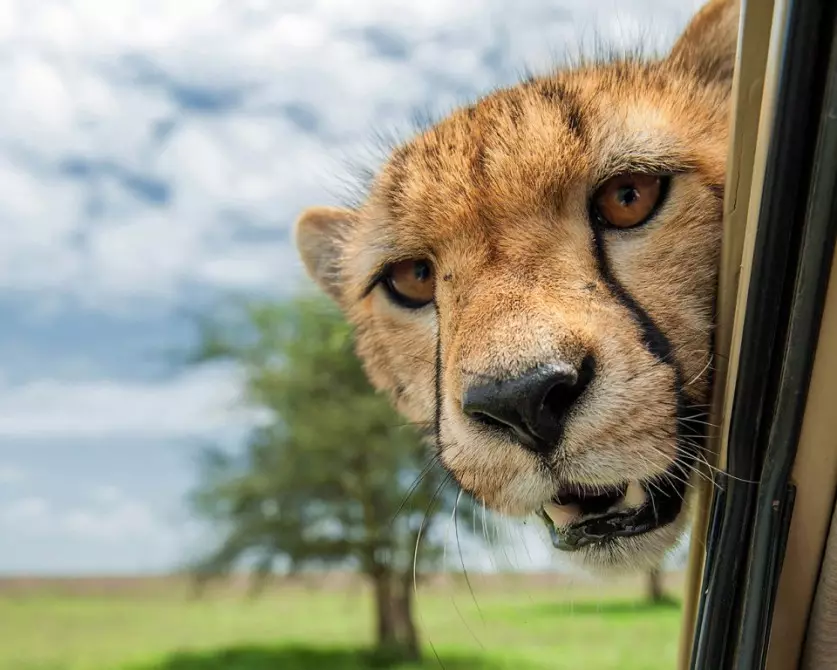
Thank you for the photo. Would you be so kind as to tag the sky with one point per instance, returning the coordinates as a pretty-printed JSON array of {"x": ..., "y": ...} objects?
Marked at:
[{"x": 153, "y": 157}]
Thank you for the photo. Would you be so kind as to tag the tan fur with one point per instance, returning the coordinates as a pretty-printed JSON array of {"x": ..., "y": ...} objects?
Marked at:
[{"x": 496, "y": 196}]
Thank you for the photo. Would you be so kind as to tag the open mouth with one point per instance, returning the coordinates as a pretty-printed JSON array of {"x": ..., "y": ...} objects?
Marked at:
[{"x": 579, "y": 516}]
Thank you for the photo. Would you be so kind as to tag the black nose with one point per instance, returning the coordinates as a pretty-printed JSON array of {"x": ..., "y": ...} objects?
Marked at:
[{"x": 534, "y": 405}]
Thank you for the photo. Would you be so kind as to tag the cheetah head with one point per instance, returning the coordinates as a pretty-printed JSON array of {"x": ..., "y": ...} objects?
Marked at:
[{"x": 533, "y": 278}]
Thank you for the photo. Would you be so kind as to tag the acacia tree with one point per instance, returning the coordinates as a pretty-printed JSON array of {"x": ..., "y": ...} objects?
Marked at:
[{"x": 331, "y": 475}]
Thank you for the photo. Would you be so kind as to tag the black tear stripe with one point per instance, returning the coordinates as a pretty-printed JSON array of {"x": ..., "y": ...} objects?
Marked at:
[
  {"x": 666, "y": 491},
  {"x": 437, "y": 419}
]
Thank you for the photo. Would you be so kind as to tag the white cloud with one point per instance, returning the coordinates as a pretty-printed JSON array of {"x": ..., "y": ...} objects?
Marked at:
[
  {"x": 107, "y": 530},
  {"x": 24, "y": 511},
  {"x": 196, "y": 403},
  {"x": 110, "y": 517},
  {"x": 9, "y": 474},
  {"x": 227, "y": 115}
]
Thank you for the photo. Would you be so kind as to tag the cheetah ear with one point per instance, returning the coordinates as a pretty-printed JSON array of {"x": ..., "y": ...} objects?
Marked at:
[
  {"x": 707, "y": 47},
  {"x": 320, "y": 235}
]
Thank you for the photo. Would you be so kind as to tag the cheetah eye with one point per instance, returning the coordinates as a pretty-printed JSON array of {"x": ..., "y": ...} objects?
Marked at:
[
  {"x": 629, "y": 199},
  {"x": 411, "y": 283}
]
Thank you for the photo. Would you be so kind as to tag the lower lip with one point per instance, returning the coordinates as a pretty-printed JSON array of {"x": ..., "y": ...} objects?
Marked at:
[
  {"x": 601, "y": 529},
  {"x": 660, "y": 508}
]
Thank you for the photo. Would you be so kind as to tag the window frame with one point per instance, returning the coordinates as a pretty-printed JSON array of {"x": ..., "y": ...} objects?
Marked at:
[{"x": 780, "y": 228}]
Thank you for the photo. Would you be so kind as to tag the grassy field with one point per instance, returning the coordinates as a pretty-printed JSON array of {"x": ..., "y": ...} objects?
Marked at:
[{"x": 516, "y": 623}]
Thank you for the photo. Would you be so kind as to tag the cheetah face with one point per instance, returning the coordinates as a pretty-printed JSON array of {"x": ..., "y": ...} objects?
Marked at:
[{"x": 533, "y": 279}]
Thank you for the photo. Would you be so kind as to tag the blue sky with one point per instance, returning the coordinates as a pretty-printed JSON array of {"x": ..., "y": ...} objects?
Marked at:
[{"x": 153, "y": 155}]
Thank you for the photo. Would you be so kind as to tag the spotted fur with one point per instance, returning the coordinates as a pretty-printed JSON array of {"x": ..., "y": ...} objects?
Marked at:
[{"x": 497, "y": 196}]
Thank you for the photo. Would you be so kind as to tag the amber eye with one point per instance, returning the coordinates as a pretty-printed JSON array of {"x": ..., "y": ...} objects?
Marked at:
[
  {"x": 411, "y": 283},
  {"x": 628, "y": 199}
]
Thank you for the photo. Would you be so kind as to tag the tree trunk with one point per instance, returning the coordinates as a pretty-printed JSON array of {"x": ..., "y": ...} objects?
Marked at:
[
  {"x": 397, "y": 638},
  {"x": 385, "y": 632},
  {"x": 403, "y": 615},
  {"x": 656, "y": 593}
]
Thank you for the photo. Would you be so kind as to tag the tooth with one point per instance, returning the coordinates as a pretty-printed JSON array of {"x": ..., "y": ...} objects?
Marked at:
[
  {"x": 635, "y": 495},
  {"x": 560, "y": 515}
]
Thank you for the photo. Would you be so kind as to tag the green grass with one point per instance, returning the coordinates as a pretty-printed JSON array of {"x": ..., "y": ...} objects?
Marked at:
[{"x": 294, "y": 628}]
